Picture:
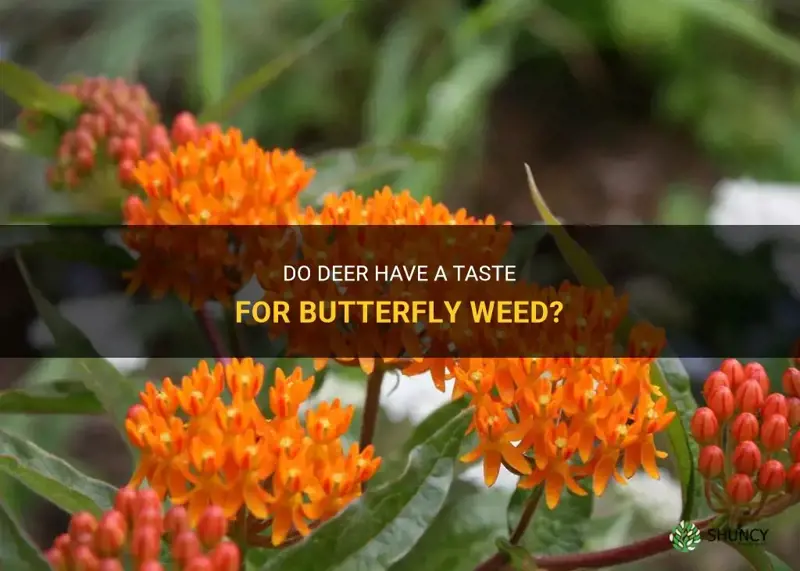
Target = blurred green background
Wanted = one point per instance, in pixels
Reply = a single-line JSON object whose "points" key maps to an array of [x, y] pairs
{"points": [[626, 110]]}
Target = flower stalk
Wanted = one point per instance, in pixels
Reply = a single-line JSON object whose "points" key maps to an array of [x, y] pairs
{"points": [[372, 405]]}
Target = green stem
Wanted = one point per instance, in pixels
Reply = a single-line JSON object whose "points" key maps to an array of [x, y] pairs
{"points": [[527, 515], [372, 405]]}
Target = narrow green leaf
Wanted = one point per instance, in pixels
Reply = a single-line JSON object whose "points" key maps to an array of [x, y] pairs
{"points": [[262, 77], [52, 477], [378, 530], [463, 532], [553, 532], [668, 374], [210, 58], [16, 548], [60, 398], [32, 92], [759, 558], [343, 169], [113, 390]]}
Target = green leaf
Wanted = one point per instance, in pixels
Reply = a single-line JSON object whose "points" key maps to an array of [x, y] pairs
{"points": [[759, 558], [343, 169], [32, 92], [67, 397], [16, 548], [52, 477], [462, 534], [210, 54], [553, 532], [669, 375], [378, 530], [262, 77], [113, 390]]}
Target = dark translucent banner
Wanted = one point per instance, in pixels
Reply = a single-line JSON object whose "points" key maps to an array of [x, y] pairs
{"points": [[409, 291]]}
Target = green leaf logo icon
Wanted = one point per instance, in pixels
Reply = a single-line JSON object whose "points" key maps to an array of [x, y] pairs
{"points": [[685, 537]]}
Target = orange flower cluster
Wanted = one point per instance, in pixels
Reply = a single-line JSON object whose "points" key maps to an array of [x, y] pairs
{"points": [[555, 421], [751, 447], [133, 532], [222, 181], [199, 449]]}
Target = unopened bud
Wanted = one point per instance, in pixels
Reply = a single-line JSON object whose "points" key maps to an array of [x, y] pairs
{"points": [[721, 401], [81, 527], [794, 447], [704, 425], [711, 461], [212, 526], [150, 517], [749, 396], [774, 433], [176, 521], [125, 172], [151, 566], [793, 478], [83, 559], [771, 476], [756, 371], [774, 404], [740, 489], [791, 382], [714, 381], [199, 563], [110, 535], [745, 427], [184, 128], [146, 544], [125, 500], [184, 547], [734, 371], [226, 557], [747, 458], [56, 559], [110, 565], [147, 499], [793, 411]]}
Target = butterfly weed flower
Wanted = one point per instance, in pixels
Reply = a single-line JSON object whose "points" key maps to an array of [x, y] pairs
{"points": [[206, 442], [133, 533], [197, 200]]}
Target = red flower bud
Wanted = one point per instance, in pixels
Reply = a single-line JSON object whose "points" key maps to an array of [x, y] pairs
{"points": [[775, 432], [125, 172], [151, 566], [749, 396], [771, 476], [199, 563], [774, 404], [226, 557], [793, 411], [793, 478], [110, 535], [83, 559], [745, 427], [110, 565], [56, 559], [63, 542], [740, 488], [81, 527], [794, 447], [721, 401], [130, 148], [704, 425], [715, 380], [756, 371], [212, 526], [747, 458], [126, 497], [184, 128], [734, 371], [149, 517], [176, 521], [145, 499], [146, 544], [791, 382], [185, 546], [711, 461]]}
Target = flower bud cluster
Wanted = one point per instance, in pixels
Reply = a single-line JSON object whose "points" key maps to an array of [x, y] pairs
{"points": [[118, 126], [134, 531], [749, 436]]}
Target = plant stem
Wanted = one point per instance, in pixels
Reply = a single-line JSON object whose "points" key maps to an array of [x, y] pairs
{"points": [[527, 515], [597, 559], [372, 405], [206, 322]]}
